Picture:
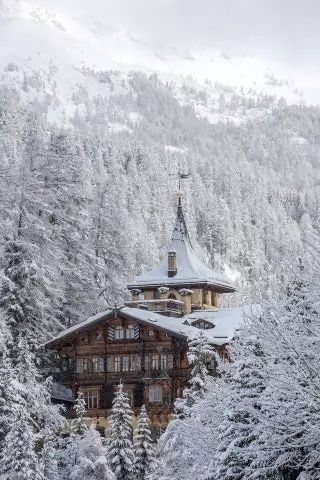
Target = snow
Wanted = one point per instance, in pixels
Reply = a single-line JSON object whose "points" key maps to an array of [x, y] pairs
{"points": [[75, 328], [29, 32], [173, 149], [190, 269], [226, 321]]}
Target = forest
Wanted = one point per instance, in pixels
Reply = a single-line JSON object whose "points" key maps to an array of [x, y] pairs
{"points": [[85, 207]]}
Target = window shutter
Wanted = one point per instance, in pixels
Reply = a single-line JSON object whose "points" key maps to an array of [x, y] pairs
{"points": [[109, 364], [111, 334], [146, 362], [170, 361], [136, 331], [138, 362]]}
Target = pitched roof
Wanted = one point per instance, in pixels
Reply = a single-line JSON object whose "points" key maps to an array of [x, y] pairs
{"points": [[226, 322], [190, 269]]}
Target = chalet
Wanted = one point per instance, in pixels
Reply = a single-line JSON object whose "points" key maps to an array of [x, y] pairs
{"points": [[144, 343]]}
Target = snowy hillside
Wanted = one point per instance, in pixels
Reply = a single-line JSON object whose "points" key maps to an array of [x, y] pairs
{"points": [[48, 52], [118, 115]]}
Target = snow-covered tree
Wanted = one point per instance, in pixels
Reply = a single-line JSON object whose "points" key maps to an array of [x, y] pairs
{"points": [[120, 449], [92, 462], [78, 424], [69, 454], [19, 460], [199, 355], [178, 454], [8, 391], [143, 447], [243, 384]]}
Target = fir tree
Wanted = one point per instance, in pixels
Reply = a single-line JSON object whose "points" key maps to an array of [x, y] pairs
{"points": [[78, 425], [244, 383], [199, 354], [19, 460], [92, 462], [143, 448], [8, 391], [120, 449]]}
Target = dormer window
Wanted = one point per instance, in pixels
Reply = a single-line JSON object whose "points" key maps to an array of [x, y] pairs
{"points": [[172, 263], [202, 324]]}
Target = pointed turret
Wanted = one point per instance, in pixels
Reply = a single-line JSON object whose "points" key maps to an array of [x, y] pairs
{"points": [[181, 273]]}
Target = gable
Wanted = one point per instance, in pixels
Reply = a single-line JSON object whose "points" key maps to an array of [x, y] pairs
{"points": [[109, 326]]}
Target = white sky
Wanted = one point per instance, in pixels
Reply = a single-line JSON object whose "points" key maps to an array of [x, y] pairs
{"points": [[286, 30]]}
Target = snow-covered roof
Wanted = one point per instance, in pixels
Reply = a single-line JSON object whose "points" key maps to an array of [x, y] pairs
{"points": [[226, 322], [190, 269]]}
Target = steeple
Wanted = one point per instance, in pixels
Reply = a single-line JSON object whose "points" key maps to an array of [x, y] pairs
{"points": [[181, 273]]}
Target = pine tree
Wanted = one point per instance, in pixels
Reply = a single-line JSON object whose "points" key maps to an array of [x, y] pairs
{"points": [[8, 392], [199, 354], [92, 462], [120, 449], [69, 454], [19, 460], [78, 425], [243, 384], [143, 448]]}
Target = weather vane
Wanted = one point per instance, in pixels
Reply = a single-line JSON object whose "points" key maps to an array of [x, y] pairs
{"points": [[181, 176]]}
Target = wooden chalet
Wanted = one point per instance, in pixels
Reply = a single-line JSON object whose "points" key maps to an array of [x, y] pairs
{"points": [[145, 342]]}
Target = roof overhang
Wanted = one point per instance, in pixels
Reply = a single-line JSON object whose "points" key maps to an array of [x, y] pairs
{"points": [[76, 329], [177, 283]]}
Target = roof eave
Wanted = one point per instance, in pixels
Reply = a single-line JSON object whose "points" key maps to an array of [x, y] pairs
{"points": [[221, 288]]}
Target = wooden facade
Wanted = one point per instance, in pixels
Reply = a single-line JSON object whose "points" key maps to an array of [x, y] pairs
{"points": [[151, 362]]}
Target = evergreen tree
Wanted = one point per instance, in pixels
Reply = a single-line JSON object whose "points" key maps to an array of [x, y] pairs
{"points": [[143, 448], [78, 425], [120, 449], [244, 383], [19, 460], [69, 453], [199, 354], [8, 392], [91, 463]]}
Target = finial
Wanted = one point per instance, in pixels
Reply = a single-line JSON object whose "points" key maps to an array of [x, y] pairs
{"points": [[181, 176]]}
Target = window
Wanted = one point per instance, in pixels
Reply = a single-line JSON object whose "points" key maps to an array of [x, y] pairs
{"points": [[163, 362], [91, 397], [97, 364], [133, 363], [79, 365], [85, 364], [155, 394], [125, 364], [205, 297], [130, 331], [99, 336], [117, 364], [119, 333], [155, 362]]}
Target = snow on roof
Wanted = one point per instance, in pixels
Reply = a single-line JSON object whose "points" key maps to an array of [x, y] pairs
{"points": [[226, 322], [79, 326], [190, 269]]}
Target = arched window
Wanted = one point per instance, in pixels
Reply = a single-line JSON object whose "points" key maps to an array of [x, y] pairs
{"points": [[119, 333], [130, 331], [155, 394]]}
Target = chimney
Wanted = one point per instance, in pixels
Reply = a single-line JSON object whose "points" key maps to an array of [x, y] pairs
{"points": [[172, 263]]}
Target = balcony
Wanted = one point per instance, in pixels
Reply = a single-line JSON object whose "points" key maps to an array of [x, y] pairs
{"points": [[166, 306]]}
